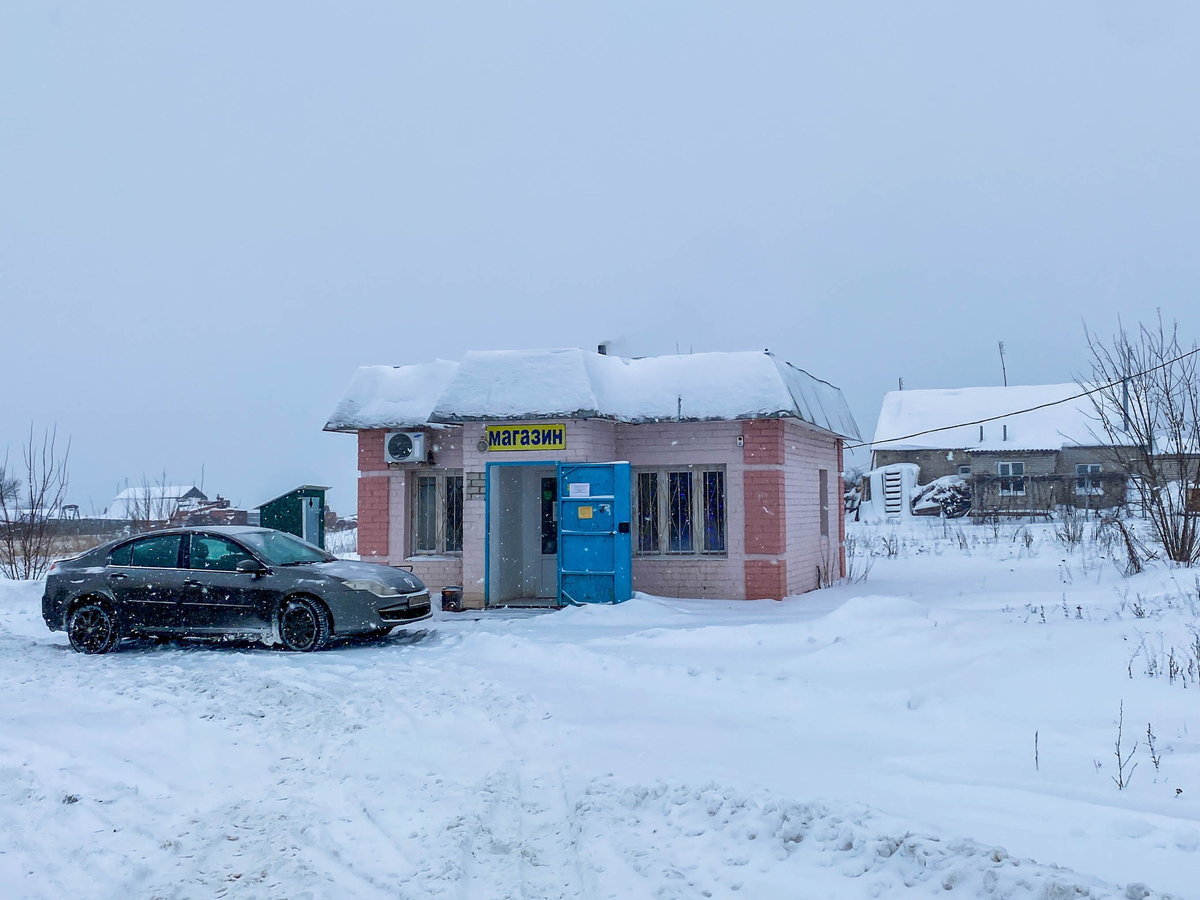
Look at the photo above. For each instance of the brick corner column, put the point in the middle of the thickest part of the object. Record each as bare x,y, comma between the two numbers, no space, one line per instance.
373,514
764,494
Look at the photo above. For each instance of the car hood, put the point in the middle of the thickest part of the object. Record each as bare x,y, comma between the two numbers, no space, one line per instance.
348,570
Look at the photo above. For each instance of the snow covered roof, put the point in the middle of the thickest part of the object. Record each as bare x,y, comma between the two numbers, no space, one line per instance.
153,501
1069,423
391,396
159,492
533,384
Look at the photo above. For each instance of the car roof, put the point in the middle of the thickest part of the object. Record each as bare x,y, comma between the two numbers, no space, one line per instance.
204,529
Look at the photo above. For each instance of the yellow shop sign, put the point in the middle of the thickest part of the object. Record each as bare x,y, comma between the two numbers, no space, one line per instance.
551,436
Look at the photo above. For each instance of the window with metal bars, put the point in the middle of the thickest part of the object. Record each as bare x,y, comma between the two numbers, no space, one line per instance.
680,510
437,512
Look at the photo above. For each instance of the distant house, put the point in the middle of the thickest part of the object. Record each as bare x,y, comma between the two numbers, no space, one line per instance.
1054,455
154,503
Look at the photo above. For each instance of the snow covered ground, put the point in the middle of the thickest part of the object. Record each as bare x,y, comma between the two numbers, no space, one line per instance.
872,740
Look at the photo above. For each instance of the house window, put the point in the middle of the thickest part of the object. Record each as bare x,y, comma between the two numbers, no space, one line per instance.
964,471
823,484
1087,479
437,519
680,511
1012,478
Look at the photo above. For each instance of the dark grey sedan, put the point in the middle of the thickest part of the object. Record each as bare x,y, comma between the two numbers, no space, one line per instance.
225,581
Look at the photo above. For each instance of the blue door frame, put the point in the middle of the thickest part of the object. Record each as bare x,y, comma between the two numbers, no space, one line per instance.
595,552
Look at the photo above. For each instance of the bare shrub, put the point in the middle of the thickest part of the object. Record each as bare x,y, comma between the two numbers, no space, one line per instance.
1123,759
858,560
29,517
891,545
1069,528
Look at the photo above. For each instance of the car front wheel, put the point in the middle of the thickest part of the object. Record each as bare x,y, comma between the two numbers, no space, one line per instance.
303,625
92,628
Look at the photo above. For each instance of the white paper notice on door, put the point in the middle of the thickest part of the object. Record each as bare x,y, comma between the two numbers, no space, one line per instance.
579,490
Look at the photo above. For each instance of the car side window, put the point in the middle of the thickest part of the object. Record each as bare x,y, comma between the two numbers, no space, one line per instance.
120,556
215,553
161,552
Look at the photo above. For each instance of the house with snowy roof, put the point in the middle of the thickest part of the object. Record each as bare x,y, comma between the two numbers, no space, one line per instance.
1022,449
154,502
549,477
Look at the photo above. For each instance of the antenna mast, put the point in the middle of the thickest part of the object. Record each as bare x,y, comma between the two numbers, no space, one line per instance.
1003,368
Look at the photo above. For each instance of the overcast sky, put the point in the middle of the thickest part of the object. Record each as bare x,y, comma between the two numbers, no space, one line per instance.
211,213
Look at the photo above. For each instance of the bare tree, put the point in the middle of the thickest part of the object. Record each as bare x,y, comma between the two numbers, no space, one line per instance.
1147,408
148,505
28,519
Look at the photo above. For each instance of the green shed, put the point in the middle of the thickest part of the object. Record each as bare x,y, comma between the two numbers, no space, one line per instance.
301,511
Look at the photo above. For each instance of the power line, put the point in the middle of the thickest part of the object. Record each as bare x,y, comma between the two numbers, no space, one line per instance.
1017,412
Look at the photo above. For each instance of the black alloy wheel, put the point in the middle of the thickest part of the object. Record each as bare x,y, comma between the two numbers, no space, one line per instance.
303,625
92,628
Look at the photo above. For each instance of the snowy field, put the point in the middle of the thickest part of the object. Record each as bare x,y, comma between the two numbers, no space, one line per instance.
872,740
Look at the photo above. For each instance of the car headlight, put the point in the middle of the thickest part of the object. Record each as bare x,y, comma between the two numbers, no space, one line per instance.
378,588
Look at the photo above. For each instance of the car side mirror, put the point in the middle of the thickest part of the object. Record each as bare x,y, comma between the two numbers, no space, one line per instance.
251,567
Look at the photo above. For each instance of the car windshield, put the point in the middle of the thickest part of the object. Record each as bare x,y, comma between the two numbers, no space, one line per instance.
284,550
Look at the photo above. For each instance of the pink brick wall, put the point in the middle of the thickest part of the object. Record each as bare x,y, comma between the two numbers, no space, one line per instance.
695,443
807,450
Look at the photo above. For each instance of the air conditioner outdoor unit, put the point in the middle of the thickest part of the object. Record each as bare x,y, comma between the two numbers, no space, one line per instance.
404,446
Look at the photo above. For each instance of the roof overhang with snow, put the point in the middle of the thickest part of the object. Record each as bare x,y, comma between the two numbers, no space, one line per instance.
491,385
930,419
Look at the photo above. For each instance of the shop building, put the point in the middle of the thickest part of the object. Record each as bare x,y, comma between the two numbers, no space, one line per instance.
554,476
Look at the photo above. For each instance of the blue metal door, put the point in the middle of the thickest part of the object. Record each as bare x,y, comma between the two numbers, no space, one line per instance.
595,552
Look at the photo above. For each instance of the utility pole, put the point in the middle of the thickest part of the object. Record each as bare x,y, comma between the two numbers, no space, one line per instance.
1003,368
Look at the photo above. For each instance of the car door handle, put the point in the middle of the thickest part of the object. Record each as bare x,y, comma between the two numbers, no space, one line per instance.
191,582
117,575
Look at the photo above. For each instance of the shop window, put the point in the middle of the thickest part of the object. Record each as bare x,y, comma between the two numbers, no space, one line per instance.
647,512
1012,478
714,511
454,513
823,490
686,506
679,499
1087,479
437,517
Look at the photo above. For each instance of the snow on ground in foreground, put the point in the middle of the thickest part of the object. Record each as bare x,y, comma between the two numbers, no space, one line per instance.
873,740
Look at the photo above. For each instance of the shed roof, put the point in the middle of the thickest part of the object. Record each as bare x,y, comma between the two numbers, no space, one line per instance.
303,487
1070,421
534,384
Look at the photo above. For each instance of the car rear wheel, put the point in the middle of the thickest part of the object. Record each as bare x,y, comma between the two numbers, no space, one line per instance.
303,625
92,628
